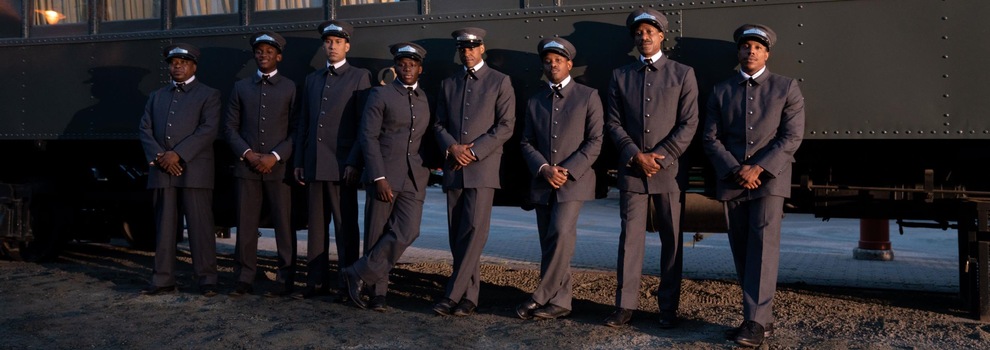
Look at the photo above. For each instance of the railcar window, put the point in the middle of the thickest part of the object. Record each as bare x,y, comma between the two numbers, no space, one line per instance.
362,2
54,12
186,8
267,5
126,10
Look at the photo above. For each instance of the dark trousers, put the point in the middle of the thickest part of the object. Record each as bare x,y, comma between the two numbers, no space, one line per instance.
196,204
557,223
469,215
754,237
331,202
633,208
250,194
399,230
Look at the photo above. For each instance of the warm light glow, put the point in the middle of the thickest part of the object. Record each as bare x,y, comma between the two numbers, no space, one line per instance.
51,17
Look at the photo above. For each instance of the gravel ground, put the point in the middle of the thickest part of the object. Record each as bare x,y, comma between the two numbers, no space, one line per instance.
89,298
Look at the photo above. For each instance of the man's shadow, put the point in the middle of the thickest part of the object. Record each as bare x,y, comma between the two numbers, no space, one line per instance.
119,106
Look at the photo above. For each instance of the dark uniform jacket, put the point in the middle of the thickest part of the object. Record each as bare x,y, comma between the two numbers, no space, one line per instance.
327,136
486,118
565,132
261,117
392,129
760,122
186,122
658,114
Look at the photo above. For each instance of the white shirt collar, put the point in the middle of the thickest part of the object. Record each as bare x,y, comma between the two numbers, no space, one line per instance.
272,74
414,86
654,57
563,83
337,65
184,82
476,67
754,76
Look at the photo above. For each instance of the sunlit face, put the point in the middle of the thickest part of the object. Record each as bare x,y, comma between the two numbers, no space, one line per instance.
267,57
556,67
336,48
471,56
181,69
648,39
753,56
407,70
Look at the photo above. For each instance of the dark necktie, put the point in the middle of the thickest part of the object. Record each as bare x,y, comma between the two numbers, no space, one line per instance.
556,91
470,74
410,89
180,86
648,64
264,79
331,70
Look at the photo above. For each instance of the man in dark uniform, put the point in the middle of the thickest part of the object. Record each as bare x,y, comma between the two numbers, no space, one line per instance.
561,140
753,125
394,121
327,161
260,122
177,132
652,116
475,116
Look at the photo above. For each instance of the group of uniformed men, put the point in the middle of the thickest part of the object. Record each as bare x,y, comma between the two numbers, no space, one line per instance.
345,134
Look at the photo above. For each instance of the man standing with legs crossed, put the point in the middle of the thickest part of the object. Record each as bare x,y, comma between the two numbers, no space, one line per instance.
475,116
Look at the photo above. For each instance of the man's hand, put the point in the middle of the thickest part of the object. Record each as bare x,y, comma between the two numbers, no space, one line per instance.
748,176
170,162
384,191
648,163
300,175
265,163
352,175
461,154
556,176
252,158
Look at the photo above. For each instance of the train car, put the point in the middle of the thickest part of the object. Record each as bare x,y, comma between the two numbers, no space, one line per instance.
896,117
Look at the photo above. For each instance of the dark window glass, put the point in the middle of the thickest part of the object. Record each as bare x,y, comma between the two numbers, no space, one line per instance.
269,5
186,8
127,10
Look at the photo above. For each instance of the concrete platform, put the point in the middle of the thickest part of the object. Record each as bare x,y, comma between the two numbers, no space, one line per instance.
812,251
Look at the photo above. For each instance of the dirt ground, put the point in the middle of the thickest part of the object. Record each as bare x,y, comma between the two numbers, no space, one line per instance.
89,298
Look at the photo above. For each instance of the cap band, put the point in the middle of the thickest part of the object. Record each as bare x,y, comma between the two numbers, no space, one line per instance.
264,37
467,37
407,48
757,32
332,28
645,16
178,51
554,45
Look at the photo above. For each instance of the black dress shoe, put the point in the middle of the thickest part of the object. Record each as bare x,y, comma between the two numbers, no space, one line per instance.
619,317
208,290
354,285
342,297
378,304
551,311
152,290
310,292
444,307
242,288
525,310
731,333
750,334
280,290
464,308
668,320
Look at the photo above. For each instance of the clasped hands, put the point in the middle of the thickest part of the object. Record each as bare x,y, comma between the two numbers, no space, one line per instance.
462,155
556,176
170,162
748,176
260,162
648,163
